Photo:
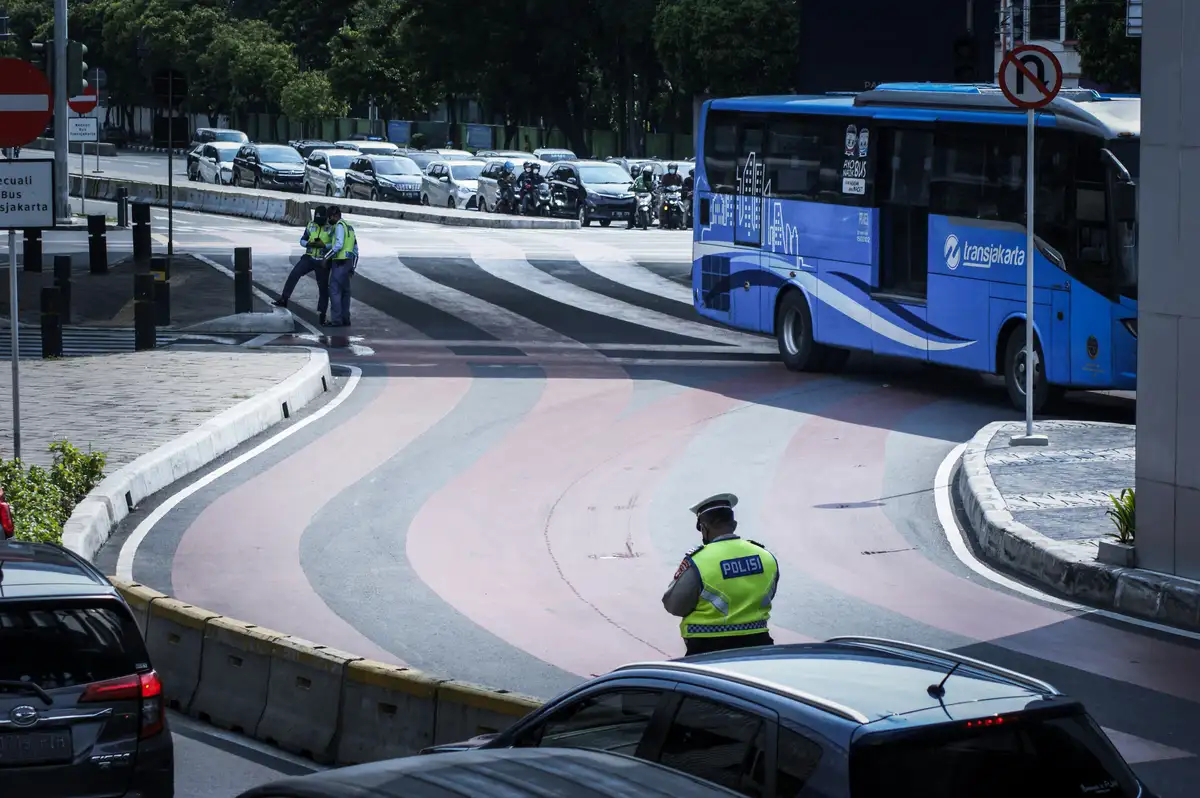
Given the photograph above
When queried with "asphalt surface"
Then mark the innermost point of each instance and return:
(502, 495)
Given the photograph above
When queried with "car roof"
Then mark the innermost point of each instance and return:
(233, 145)
(44, 570)
(862, 679)
(336, 151)
(581, 773)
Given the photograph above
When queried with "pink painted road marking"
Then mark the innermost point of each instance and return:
(241, 555)
(828, 544)
(597, 531)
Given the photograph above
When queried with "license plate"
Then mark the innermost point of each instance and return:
(34, 748)
(619, 214)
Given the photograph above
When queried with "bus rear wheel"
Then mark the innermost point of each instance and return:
(794, 332)
(1014, 373)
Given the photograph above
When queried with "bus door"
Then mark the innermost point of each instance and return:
(745, 292)
(902, 269)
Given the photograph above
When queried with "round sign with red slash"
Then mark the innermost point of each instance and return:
(84, 103)
(25, 106)
(1030, 76)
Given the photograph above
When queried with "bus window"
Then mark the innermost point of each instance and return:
(721, 156)
(978, 173)
(903, 193)
(794, 159)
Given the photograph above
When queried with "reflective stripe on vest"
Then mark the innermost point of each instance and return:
(348, 242)
(735, 599)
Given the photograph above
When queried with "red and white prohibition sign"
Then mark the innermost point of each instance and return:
(1030, 76)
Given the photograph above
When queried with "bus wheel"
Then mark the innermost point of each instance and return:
(794, 331)
(1014, 373)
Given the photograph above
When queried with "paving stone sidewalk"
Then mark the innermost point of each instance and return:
(127, 405)
(1041, 511)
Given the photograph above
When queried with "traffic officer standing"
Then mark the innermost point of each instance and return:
(342, 257)
(315, 240)
(724, 587)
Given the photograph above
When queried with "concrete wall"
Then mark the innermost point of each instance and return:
(1168, 424)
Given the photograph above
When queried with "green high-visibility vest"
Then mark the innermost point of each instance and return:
(319, 238)
(348, 241)
(738, 576)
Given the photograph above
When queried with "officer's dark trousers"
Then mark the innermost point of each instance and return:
(339, 285)
(704, 645)
(307, 264)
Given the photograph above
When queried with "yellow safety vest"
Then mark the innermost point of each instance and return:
(319, 238)
(738, 576)
(348, 241)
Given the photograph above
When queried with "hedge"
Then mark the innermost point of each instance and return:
(43, 499)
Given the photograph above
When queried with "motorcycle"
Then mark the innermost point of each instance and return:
(537, 201)
(671, 209)
(642, 215)
(509, 201)
(687, 209)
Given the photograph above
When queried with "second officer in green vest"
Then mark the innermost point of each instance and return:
(723, 589)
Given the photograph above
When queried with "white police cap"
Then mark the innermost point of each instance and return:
(722, 501)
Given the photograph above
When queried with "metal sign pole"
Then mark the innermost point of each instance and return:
(1030, 353)
(13, 304)
(171, 169)
(98, 170)
(82, 176)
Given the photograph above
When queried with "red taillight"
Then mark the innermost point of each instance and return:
(6, 519)
(982, 722)
(145, 687)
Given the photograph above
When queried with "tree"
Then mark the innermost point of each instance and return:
(1106, 54)
(308, 25)
(368, 59)
(717, 47)
(309, 97)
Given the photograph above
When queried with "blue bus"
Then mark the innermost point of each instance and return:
(892, 221)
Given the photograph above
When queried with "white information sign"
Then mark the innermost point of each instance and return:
(83, 128)
(26, 193)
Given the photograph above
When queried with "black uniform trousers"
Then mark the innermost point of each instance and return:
(706, 645)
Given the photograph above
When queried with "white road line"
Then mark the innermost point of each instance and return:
(257, 292)
(955, 536)
(129, 549)
(620, 267)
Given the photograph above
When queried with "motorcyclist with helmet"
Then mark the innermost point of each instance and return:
(689, 188)
(643, 184)
(508, 184)
(530, 180)
(671, 179)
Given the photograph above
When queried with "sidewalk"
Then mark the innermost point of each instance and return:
(1041, 511)
(157, 415)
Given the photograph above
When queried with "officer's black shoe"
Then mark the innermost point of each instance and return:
(322, 320)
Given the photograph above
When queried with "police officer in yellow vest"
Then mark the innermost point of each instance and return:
(316, 239)
(724, 587)
(342, 257)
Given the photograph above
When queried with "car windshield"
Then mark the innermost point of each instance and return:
(560, 155)
(67, 645)
(1060, 756)
(466, 171)
(229, 135)
(397, 166)
(601, 175)
(340, 161)
(423, 159)
(279, 154)
(225, 154)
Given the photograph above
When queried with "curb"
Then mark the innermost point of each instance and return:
(94, 518)
(330, 706)
(147, 148)
(1067, 569)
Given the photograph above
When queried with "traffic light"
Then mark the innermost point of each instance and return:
(964, 59)
(76, 68)
(43, 58)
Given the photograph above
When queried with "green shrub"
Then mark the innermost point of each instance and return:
(1122, 514)
(43, 499)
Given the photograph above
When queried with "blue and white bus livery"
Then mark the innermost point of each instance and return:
(892, 221)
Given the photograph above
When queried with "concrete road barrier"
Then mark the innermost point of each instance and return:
(107, 150)
(175, 639)
(304, 698)
(466, 710)
(296, 209)
(235, 673)
(386, 712)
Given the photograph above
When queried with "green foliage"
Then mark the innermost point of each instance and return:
(1123, 516)
(368, 58)
(43, 499)
(1106, 54)
(309, 96)
(417, 141)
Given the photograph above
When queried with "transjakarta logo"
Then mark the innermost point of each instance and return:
(980, 256)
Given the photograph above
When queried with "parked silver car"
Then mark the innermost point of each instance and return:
(369, 147)
(214, 163)
(489, 188)
(325, 172)
(451, 184)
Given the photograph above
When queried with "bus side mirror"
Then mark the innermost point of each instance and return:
(1125, 202)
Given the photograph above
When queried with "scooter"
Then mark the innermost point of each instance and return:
(541, 203)
(509, 201)
(672, 214)
(642, 215)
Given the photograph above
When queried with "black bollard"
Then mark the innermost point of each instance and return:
(122, 207)
(62, 281)
(33, 251)
(144, 335)
(161, 269)
(52, 343)
(97, 244)
(141, 235)
(243, 281)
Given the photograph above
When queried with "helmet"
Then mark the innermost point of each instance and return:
(537, 167)
(529, 166)
(672, 168)
(647, 171)
(508, 166)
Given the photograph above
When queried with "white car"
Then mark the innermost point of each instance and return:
(452, 184)
(214, 162)
(369, 147)
(325, 172)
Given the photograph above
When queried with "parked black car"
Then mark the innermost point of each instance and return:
(82, 711)
(382, 177)
(271, 166)
(591, 191)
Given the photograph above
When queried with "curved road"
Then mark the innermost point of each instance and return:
(502, 495)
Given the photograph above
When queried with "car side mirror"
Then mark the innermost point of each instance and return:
(1125, 202)
(368, 171)
(444, 178)
(572, 181)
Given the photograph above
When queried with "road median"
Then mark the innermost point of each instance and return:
(328, 705)
(295, 209)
